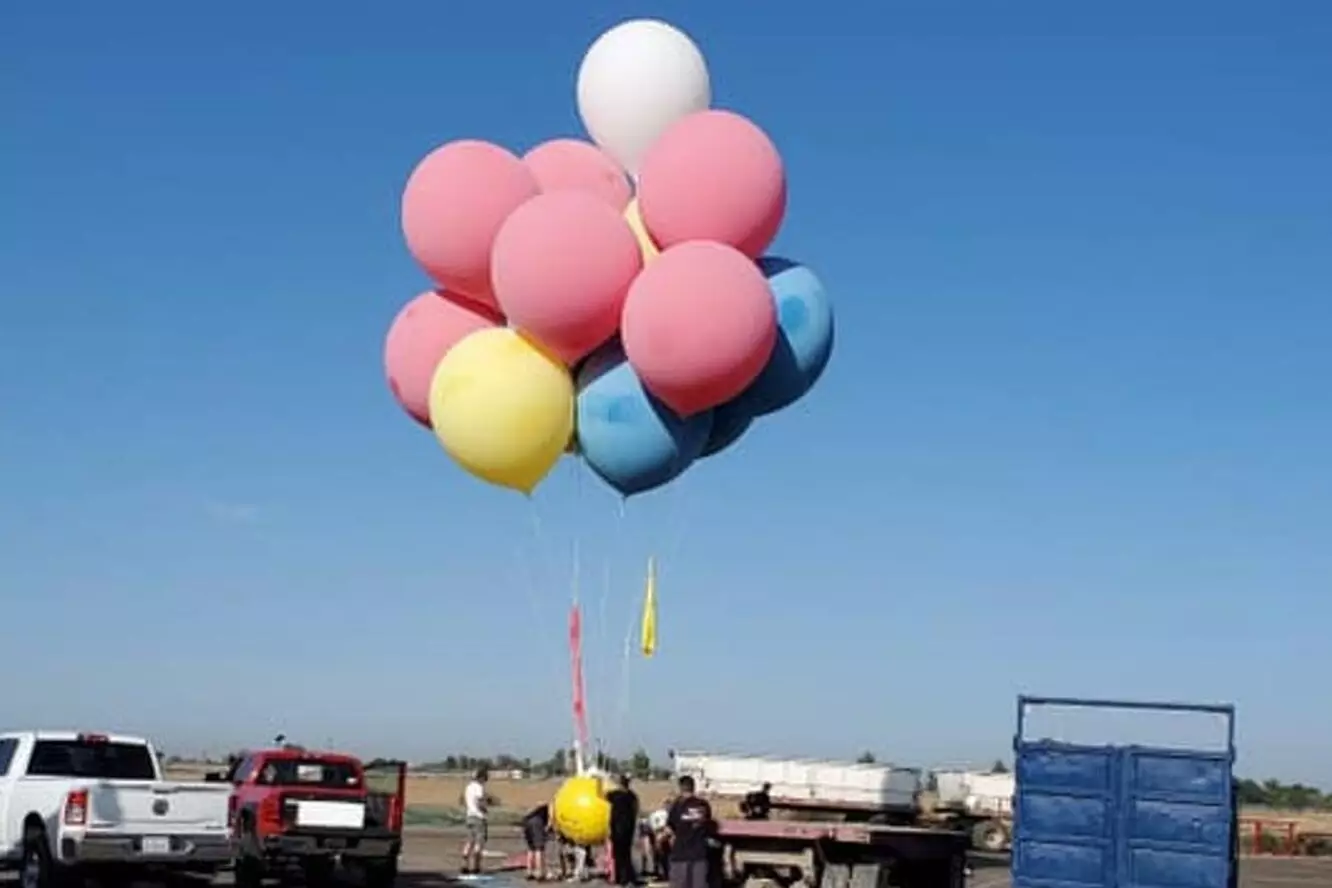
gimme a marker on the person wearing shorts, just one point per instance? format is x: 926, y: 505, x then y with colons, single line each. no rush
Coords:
x: 536, y: 829
x: 476, y: 804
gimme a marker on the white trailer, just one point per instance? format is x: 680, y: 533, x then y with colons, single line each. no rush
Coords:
x: 858, y: 792
x: 979, y: 802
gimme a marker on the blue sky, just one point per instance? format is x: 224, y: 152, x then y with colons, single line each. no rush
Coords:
x: 1076, y: 438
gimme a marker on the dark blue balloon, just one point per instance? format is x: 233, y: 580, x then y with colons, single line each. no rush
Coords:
x: 729, y: 422
x: 629, y: 438
x: 804, y: 337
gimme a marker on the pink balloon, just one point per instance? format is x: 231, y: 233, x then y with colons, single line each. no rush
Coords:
x: 562, y: 265
x: 573, y: 165
x: 699, y: 325
x: 713, y: 175
x: 424, y: 330
x: 454, y: 204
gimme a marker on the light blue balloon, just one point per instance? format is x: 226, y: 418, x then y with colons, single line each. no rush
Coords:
x: 729, y: 422
x: 629, y: 438
x: 804, y: 337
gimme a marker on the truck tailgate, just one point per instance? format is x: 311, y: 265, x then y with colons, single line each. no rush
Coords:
x: 159, y: 808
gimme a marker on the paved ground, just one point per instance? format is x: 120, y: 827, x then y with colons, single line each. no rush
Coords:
x: 431, y: 857
x: 428, y: 853
x: 1256, y: 872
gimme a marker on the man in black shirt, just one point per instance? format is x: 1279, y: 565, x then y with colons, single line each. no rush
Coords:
x: 623, y: 830
x: 692, y: 831
x: 757, y: 805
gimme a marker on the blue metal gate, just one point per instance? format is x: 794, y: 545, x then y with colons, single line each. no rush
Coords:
x: 1122, y: 816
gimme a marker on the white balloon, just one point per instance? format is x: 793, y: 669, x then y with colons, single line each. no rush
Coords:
x: 635, y: 81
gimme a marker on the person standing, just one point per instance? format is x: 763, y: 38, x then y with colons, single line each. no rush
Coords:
x: 623, y: 830
x: 476, y: 804
x: 692, y: 833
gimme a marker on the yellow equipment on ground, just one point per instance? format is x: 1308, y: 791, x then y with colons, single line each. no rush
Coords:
x: 582, y: 814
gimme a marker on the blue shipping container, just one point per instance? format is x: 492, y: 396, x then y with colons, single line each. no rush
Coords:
x: 1123, y: 816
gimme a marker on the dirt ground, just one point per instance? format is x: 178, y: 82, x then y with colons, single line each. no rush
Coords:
x: 443, y: 792
x: 431, y: 855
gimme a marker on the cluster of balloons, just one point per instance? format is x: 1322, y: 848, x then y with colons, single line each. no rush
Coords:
x: 611, y: 299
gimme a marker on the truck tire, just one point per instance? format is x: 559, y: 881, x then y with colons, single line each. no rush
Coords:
x: 989, y: 835
x: 318, y: 871
x: 36, y: 868
x: 249, y: 871
x: 381, y: 873
x: 249, y: 859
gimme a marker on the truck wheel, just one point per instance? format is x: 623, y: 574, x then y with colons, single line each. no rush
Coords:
x: 249, y: 871
x: 36, y: 868
x: 249, y: 868
x: 381, y: 873
x: 318, y: 871
x: 989, y: 835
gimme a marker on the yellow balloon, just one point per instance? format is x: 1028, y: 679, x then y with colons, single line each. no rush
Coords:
x: 582, y: 814
x: 502, y: 407
x: 646, y: 245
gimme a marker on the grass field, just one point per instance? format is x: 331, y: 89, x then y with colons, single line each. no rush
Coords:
x: 436, y: 798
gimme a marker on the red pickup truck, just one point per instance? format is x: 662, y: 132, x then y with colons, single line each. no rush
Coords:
x: 295, y: 808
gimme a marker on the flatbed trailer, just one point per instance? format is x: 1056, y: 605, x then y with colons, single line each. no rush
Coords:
x: 783, y: 853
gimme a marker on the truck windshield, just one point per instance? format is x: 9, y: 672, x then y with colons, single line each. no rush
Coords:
x: 309, y: 772
x: 95, y: 760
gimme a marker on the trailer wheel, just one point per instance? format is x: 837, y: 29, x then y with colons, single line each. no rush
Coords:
x: 989, y: 835
x: 836, y: 875
x: 870, y: 874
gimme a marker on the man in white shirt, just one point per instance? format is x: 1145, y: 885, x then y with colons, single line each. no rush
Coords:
x: 476, y: 804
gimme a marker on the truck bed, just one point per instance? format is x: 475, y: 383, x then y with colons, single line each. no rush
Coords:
x: 158, y: 807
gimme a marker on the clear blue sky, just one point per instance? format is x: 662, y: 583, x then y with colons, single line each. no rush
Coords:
x: 1076, y: 437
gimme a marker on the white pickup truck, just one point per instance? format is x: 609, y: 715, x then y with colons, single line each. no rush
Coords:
x: 75, y: 803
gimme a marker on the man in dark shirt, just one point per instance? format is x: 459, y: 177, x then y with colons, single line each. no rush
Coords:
x: 692, y: 831
x: 757, y: 805
x: 623, y: 830
x: 536, y: 829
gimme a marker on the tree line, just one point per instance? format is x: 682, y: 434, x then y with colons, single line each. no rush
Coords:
x: 559, y: 764
x: 1285, y: 796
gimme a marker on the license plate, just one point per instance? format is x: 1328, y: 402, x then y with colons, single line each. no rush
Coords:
x: 156, y: 845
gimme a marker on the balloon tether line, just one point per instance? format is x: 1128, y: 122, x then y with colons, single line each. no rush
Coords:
x: 604, y: 622
x: 538, y: 576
